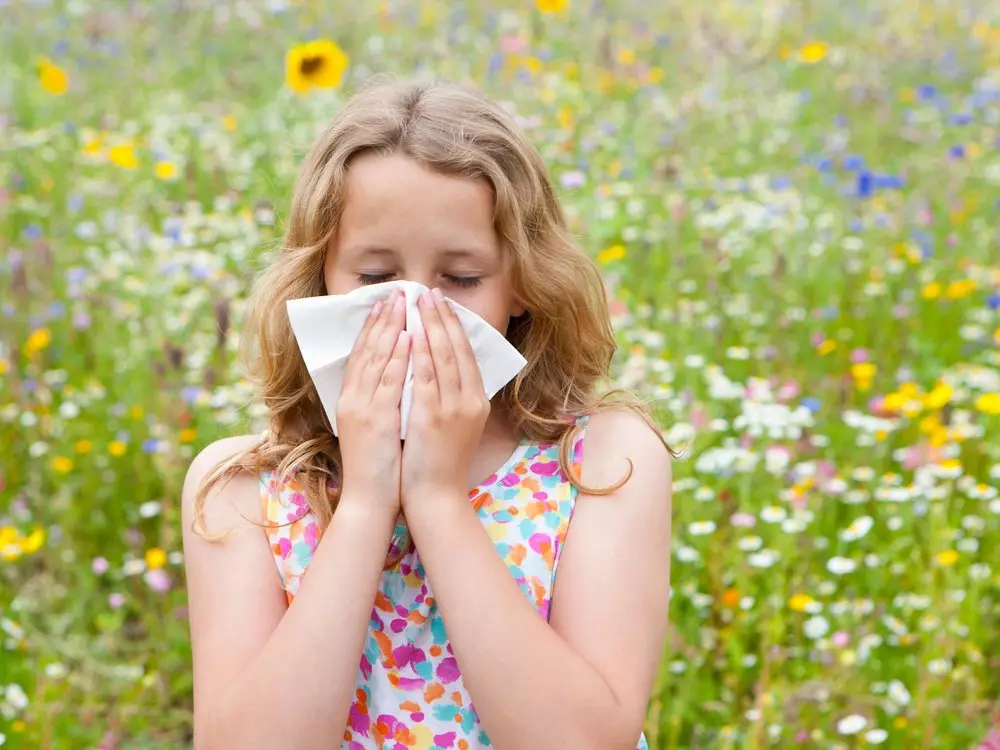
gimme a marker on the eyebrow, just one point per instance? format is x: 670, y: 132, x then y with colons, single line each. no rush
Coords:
x: 450, y: 252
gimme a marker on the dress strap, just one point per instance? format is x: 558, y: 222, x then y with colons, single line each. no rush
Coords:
x: 576, y: 453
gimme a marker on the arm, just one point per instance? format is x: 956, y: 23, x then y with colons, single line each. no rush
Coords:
x: 584, y: 680
x: 267, y: 675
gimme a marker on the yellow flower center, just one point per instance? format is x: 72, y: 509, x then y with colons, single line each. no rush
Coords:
x: 311, y: 66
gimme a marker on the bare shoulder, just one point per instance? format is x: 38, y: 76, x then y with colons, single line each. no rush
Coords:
x: 231, y: 502
x: 613, y: 439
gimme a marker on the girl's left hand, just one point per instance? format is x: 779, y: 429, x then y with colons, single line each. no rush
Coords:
x: 449, y: 410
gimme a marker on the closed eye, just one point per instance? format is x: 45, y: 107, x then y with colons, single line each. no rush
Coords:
x: 463, y: 282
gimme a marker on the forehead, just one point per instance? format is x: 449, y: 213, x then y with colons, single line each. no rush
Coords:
x: 394, y: 203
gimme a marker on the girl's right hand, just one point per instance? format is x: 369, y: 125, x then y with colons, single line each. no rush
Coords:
x: 368, y: 419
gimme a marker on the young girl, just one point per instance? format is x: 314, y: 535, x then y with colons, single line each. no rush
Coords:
x: 457, y: 534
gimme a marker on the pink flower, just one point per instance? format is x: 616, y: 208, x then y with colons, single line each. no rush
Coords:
x: 743, y: 519
x: 99, y: 565
x: 992, y: 741
x: 157, y: 579
x: 116, y: 600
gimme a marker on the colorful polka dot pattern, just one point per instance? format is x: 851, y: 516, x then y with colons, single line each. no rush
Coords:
x: 409, y: 691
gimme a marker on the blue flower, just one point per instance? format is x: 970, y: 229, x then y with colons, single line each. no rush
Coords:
x: 993, y: 301
x: 811, y: 403
x: 961, y: 119
x: 926, y: 91
x: 956, y: 152
x: 866, y: 184
x: 853, y: 162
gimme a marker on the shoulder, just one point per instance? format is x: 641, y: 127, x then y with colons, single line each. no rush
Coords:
x: 618, y: 438
x: 240, y: 493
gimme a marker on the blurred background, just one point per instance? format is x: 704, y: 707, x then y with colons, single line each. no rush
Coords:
x: 795, y: 205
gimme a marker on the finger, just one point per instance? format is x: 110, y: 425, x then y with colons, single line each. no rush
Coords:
x: 425, y: 383
x: 468, y: 369
x: 382, y: 348
x: 390, y: 389
x: 355, y: 360
x: 445, y: 366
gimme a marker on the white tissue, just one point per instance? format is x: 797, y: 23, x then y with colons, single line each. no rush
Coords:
x: 327, y: 327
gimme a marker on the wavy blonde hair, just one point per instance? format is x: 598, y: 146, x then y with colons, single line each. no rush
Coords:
x: 565, y: 334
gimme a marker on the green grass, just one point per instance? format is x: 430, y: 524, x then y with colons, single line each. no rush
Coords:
x: 754, y: 282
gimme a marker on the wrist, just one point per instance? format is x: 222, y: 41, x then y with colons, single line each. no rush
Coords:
x: 434, y: 499
x: 366, y: 508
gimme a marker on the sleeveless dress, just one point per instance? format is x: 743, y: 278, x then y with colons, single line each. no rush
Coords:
x: 409, y: 691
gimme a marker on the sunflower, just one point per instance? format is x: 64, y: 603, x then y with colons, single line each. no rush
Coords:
x: 319, y: 64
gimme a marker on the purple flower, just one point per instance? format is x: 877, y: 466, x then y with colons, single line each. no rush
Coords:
x: 157, y: 579
x: 573, y: 179
x: 116, y: 600
x: 99, y: 565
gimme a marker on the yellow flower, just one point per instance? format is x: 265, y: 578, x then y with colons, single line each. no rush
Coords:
x: 188, y: 435
x: 826, y: 347
x: 989, y: 403
x: 900, y: 722
x: 93, y: 147
x: 123, y: 155
x: 551, y: 6
x: 156, y: 558
x: 317, y: 64
x: 566, y: 117
x: 813, y: 52
x: 52, y: 77
x: 62, y: 465
x: 33, y: 542
x: 800, y: 602
x: 961, y: 289
x: 165, y: 170
x: 947, y: 558
x: 229, y: 122
x: 940, y: 396
x: 18, y: 725
x: 931, y: 291
x: 863, y: 371
x: 117, y: 448
x: 996, y: 336
x: 83, y: 446
x: 626, y: 56
x: 609, y: 254
x: 4, y: 366
x: 37, y: 341
x: 655, y: 75
x: 894, y: 401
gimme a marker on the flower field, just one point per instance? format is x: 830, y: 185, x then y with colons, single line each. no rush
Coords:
x: 796, y: 206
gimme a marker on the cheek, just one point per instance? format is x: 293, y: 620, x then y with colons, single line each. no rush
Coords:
x: 486, y: 306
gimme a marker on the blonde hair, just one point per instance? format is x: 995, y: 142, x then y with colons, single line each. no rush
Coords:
x: 565, y: 333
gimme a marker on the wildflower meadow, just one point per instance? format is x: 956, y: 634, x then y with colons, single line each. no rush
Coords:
x: 796, y: 206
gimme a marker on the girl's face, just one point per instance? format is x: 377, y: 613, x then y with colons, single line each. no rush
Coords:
x: 404, y: 222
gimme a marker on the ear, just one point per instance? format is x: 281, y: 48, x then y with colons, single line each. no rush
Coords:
x: 516, y: 309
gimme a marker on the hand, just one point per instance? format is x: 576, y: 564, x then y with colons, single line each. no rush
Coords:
x: 449, y: 410
x: 368, y: 408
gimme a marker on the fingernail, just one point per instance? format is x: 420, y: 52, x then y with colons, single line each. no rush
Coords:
x: 437, y: 294
x: 376, y: 308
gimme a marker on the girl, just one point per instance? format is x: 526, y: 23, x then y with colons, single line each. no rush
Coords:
x: 456, y: 534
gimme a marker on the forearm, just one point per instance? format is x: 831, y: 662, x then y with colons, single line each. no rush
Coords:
x: 530, y: 688
x: 297, y: 692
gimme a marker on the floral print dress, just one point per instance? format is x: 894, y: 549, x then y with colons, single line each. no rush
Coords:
x: 409, y: 691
